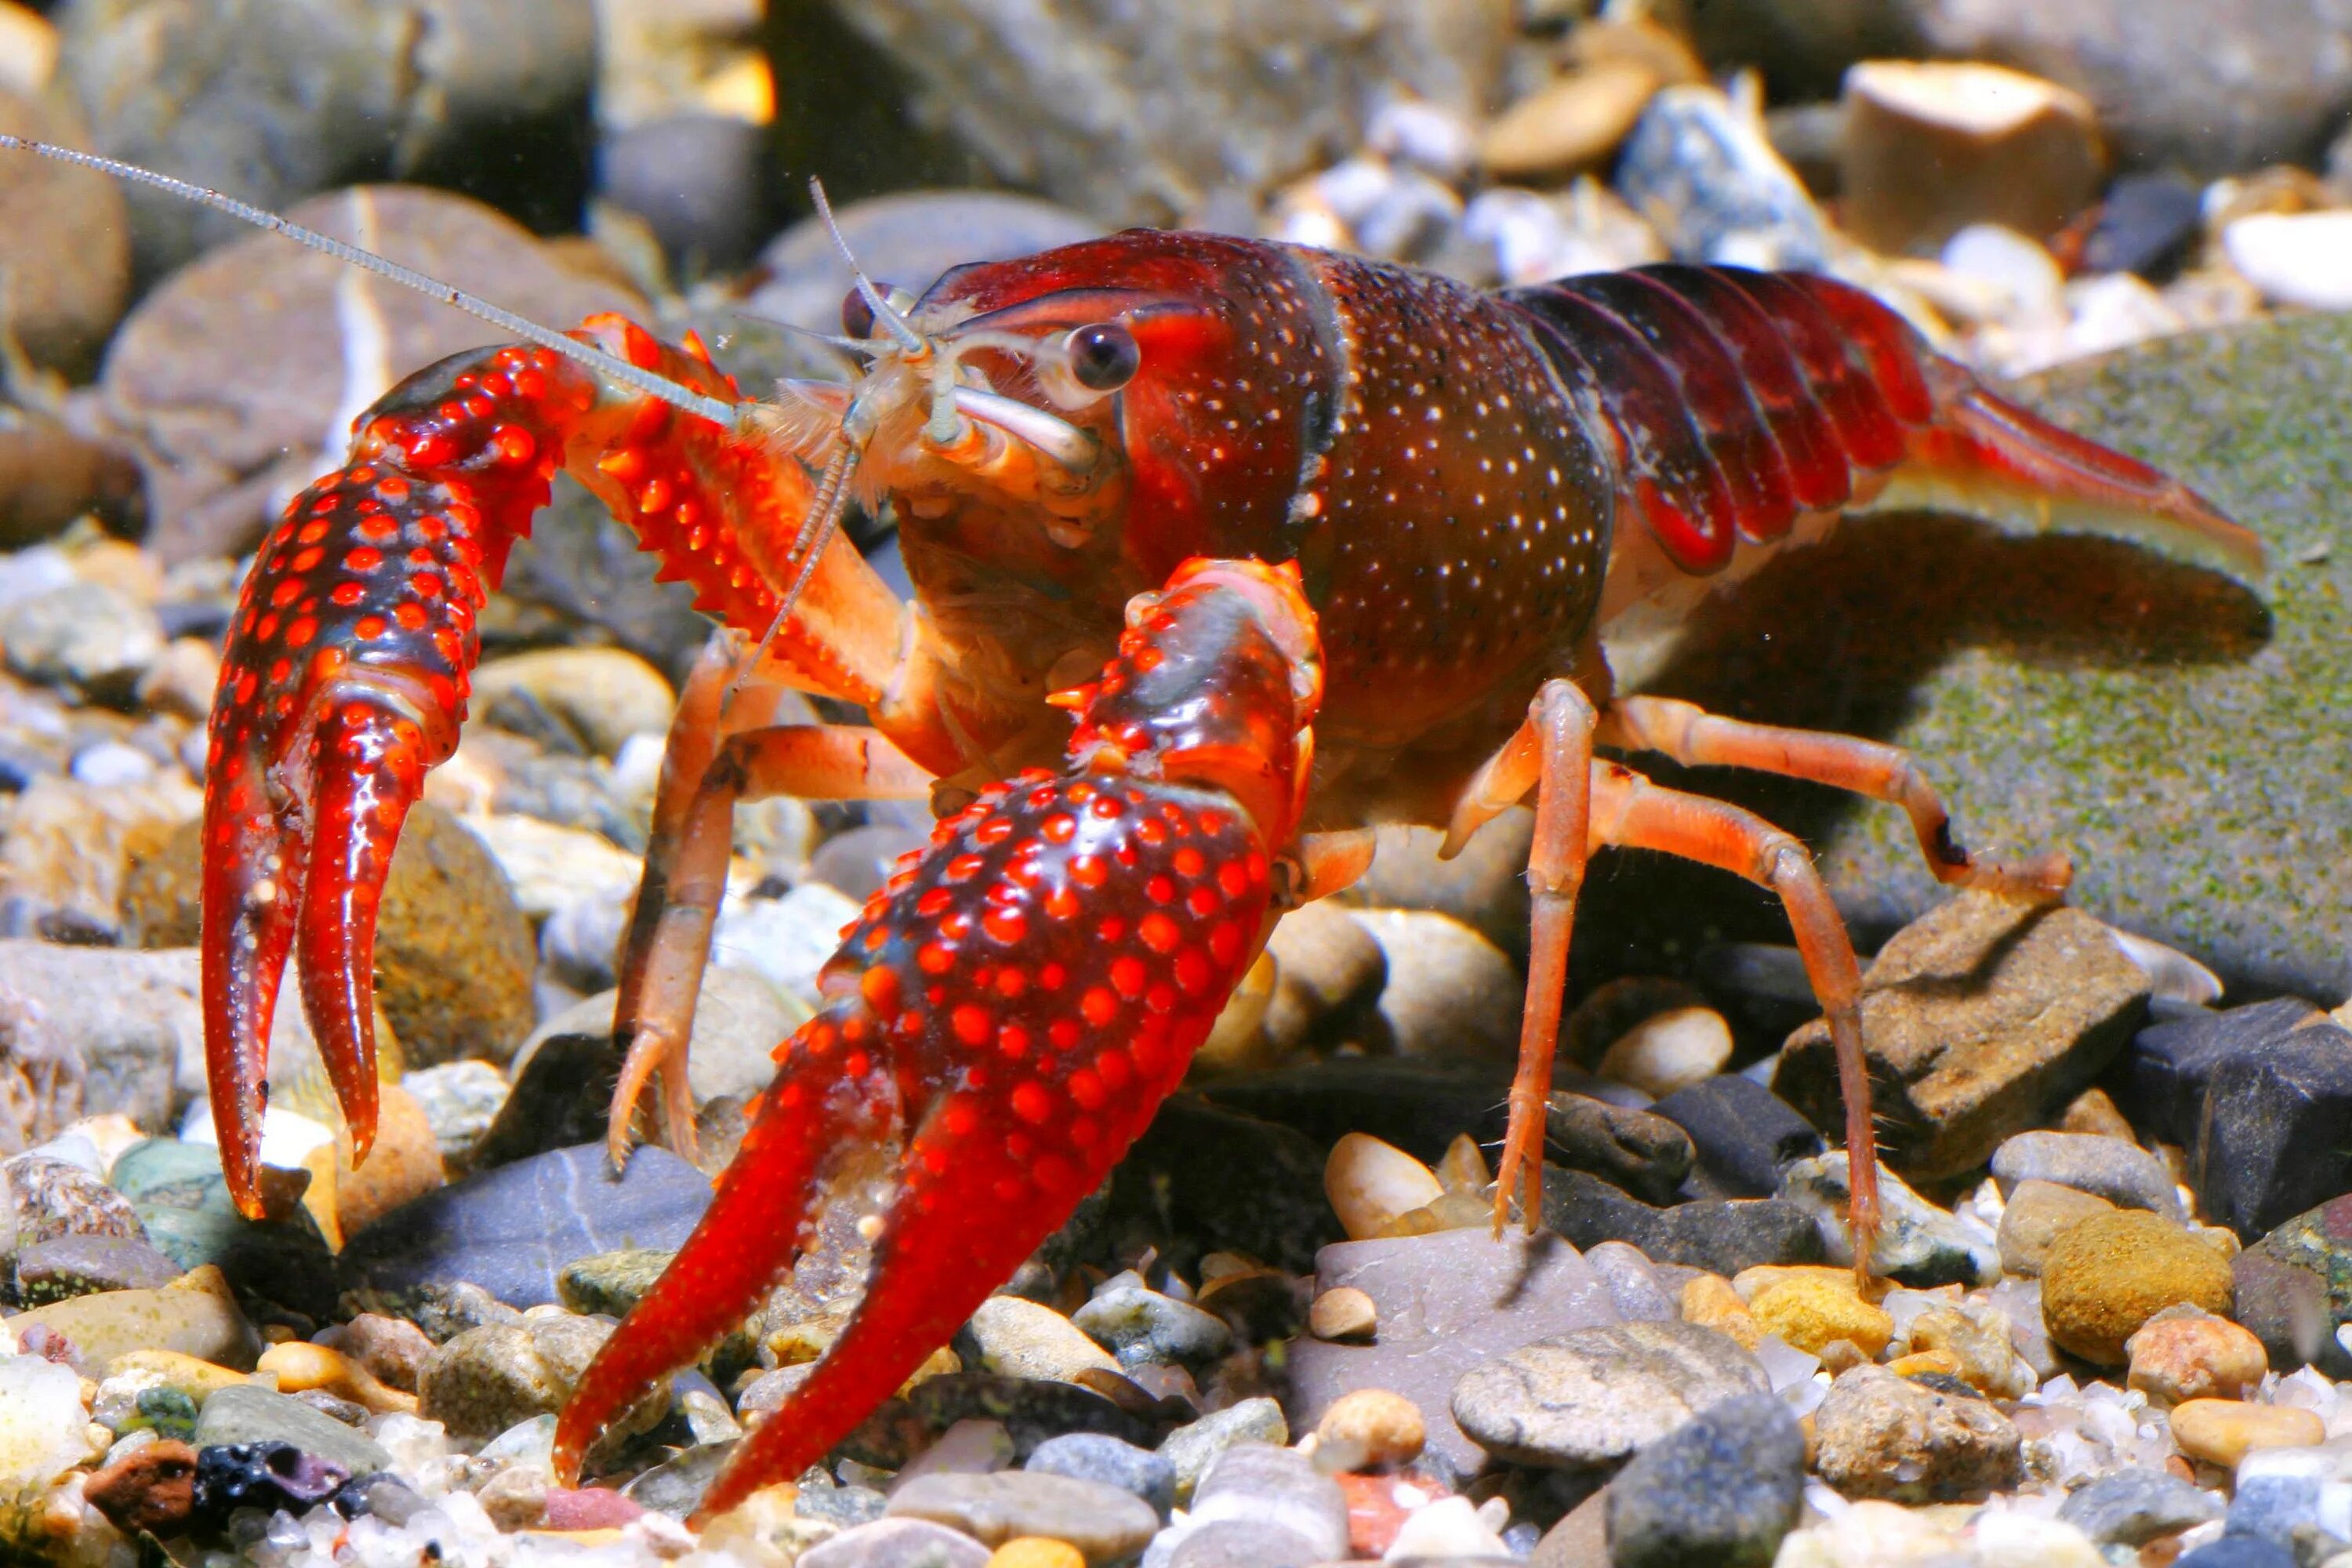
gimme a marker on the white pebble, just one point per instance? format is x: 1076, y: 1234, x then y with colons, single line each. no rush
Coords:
x: 1369, y: 1183
x: 2012, y: 262
x: 2295, y: 259
x: 1671, y: 1051
x: 112, y: 762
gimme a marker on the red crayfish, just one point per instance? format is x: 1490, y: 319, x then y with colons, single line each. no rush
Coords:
x: 1341, y: 539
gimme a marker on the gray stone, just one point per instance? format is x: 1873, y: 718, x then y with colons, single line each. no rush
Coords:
x: 247, y: 1413
x: 2294, y: 1287
x: 1141, y: 118
x: 677, y: 1485
x: 1273, y: 1489
x: 1102, y: 1521
x: 1590, y: 1397
x: 1447, y: 1302
x: 1191, y: 1448
x: 461, y: 1100
x: 511, y: 1229
x: 1722, y: 1235
x: 1722, y: 1489
x: 1094, y: 1457
x: 1234, y: 1543
x: 2268, y: 1146
x: 896, y: 1544
x: 69, y: 273
x: 2173, y: 1061
x: 2123, y: 1173
x: 1708, y: 180
x: 1880, y: 1436
x: 490, y: 1379
x: 85, y: 636
x: 1981, y: 1018
x: 2131, y: 1506
x: 1145, y: 1327
x: 1634, y: 1287
x: 81, y: 1265
x: 1742, y: 1133
x: 1647, y: 1155
x: 1917, y: 1243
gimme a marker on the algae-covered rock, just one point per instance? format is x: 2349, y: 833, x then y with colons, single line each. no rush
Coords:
x: 2184, y: 737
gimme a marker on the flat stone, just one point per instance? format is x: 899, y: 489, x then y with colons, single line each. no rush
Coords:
x: 196, y: 1315
x: 1634, y: 1286
x: 1094, y: 1457
x: 1145, y: 1327
x: 1273, y: 1489
x: 1595, y: 1396
x: 2131, y: 1506
x: 1647, y: 1155
x: 2080, y: 694
x: 2269, y: 1144
x: 1981, y: 1019
x: 1743, y: 1134
x: 251, y: 1414
x: 1447, y: 1302
x: 511, y: 1230
x: 1880, y: 1436
x: 1721, y: 1236
x: 80, y: 1265
x: 1722, y: 1489
x: 896, y: 1544
x: 2172, y: 1062
x: 1102, y: 1521
x: 2123, y: 1173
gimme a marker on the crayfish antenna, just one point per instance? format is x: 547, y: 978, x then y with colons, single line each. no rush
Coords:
x: 609, y: 366
x: 879, y: 302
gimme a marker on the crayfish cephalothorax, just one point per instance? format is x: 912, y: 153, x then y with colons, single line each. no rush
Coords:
x: 1459, y: 494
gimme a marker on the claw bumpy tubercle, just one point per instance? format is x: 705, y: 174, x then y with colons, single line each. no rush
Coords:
x: 1014, y: 1005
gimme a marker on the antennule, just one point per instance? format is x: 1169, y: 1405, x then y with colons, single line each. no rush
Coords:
x: 604, y: 364
x: 884, y: 312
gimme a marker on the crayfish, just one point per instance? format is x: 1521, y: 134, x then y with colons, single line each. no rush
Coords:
x: 1224, y: 552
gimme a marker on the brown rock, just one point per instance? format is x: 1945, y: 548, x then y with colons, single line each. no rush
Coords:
x: 153, y: 1488
x: 404, y: 1163
x: 454, y: 955
x: 1931, y: 147
x: 2223, y: 1431
x: 1345, y: 1314
x: 69, y: 846
x: 1569, y: 123
x: 1370, y: 1429
x: 2093, y: 1111
x: 65, y: 239
x: 1881, y: 1436
x: 1709, y: 1301
x: 2036, y: 1213
x: 2106, y: 1276
x: 2184, y: 1354
x: 392, y: 1349
x: 1980, y: 1019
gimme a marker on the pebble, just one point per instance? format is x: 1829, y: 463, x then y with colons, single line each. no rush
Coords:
x: 1451, y: 993
x: 2034, y: 1217
x: 896, y: 1544
x: 1103, y: 1521
x: 251, y: 1414
x: 299, y: 1367
x: 512, y: 1229
x: 1742, y: 1134
x: 84, y: 1265
x: 1722, y: 1235
x: 2110, y: 1168
x: 1144, y: 1328
x: 1370, y: 1429
x: 2295, y: 258
x: 1450, y: 1529
x: 1344, y: 1314
x: 197, y: 1315
x: 50, y: 1198
x: 1270, y: 1490
x: 1191, y: 1448
x: 1647, y: 1155
x: 1709, y: 1301
x: 1635, y: 1287
x: 610, y: 1284
x: 1880, y: 1436
x: 1983, y: 1018
x: 490, y: 1379
x: 588, y: 700
x: 1722, y: 1489
x: 2224, y: 1431
x: 1918, y: 1244
x: 1595, y: 1396
x: 2172, y: 1062
x: 83, y: 636
x: 784, y: 940
x: 1809, y: 1310
x: 43, y: 1430
x: 393, y: 1350
x: 2267, y: 1147
x: 2106, y: 1276
x: 1036, y: 1551
x: 1932, y: 146
x: 2183, y: 1353
x: 461, y: 1100
x: 1327, y: 970
x: 1672, y: 1051
x: 1023, y: 1339
x: 151, y: 1487
x: 1707, y: 176
x: 2295, y: 1283
x: 2131, y: 1506
x: 1569, y: 122
x: 1096, y: 1457
x: 1980, y: 1341
x: 1372, y: 1184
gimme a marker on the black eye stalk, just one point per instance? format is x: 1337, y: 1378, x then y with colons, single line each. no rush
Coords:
x: 1104, y: 357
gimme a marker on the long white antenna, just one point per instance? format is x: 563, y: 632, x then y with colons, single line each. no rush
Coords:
x: 606, y: 365
x: 884, y: 312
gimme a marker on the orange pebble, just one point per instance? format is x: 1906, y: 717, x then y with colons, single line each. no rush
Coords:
x: 1036, y: 1551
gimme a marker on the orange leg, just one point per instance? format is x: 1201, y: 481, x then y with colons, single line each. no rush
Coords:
x: 345, y: 674
x: 1630, y: 811
x: 1694, y: 737
x: 709, y: 769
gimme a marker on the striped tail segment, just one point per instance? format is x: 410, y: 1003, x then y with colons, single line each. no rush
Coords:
x: 1737, y: 401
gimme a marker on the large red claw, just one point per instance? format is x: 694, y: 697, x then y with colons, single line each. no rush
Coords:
x: 1015, y: 1004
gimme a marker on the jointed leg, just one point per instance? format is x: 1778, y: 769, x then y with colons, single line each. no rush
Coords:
x: 1694, y: 737
x: 1630, y: 811
x: 1552, y: 755
x: 712, y: 763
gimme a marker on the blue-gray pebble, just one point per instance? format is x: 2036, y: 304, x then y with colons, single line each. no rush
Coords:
x: 1094, y: 1457
x: 1720, y: 1490
x: 2238, y: 1551
x: 2132, y: 1507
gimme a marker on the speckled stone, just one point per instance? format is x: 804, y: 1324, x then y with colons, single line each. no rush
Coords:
x: 1880, y: 1436
x: 1595, y: 1396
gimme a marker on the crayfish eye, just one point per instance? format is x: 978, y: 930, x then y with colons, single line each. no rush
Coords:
x: 1104, y: 357
x: 856, y: 314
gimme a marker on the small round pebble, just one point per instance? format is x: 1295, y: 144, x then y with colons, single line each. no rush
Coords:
x: 1370, y: 1185
x: 1036, y: 1551
x: 1104, y: 1523
x: 1098, y: 1457
x: 1020, y: 1338
x: 302, y: 1366
x: 1709, y: 1301
x: 2223, y: 1431
x: 1345, y: 1314
x: 1810, y: 1311
x: 2106, y: 1276
x: 1370, y: 1429
x: 2183, y: 1353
